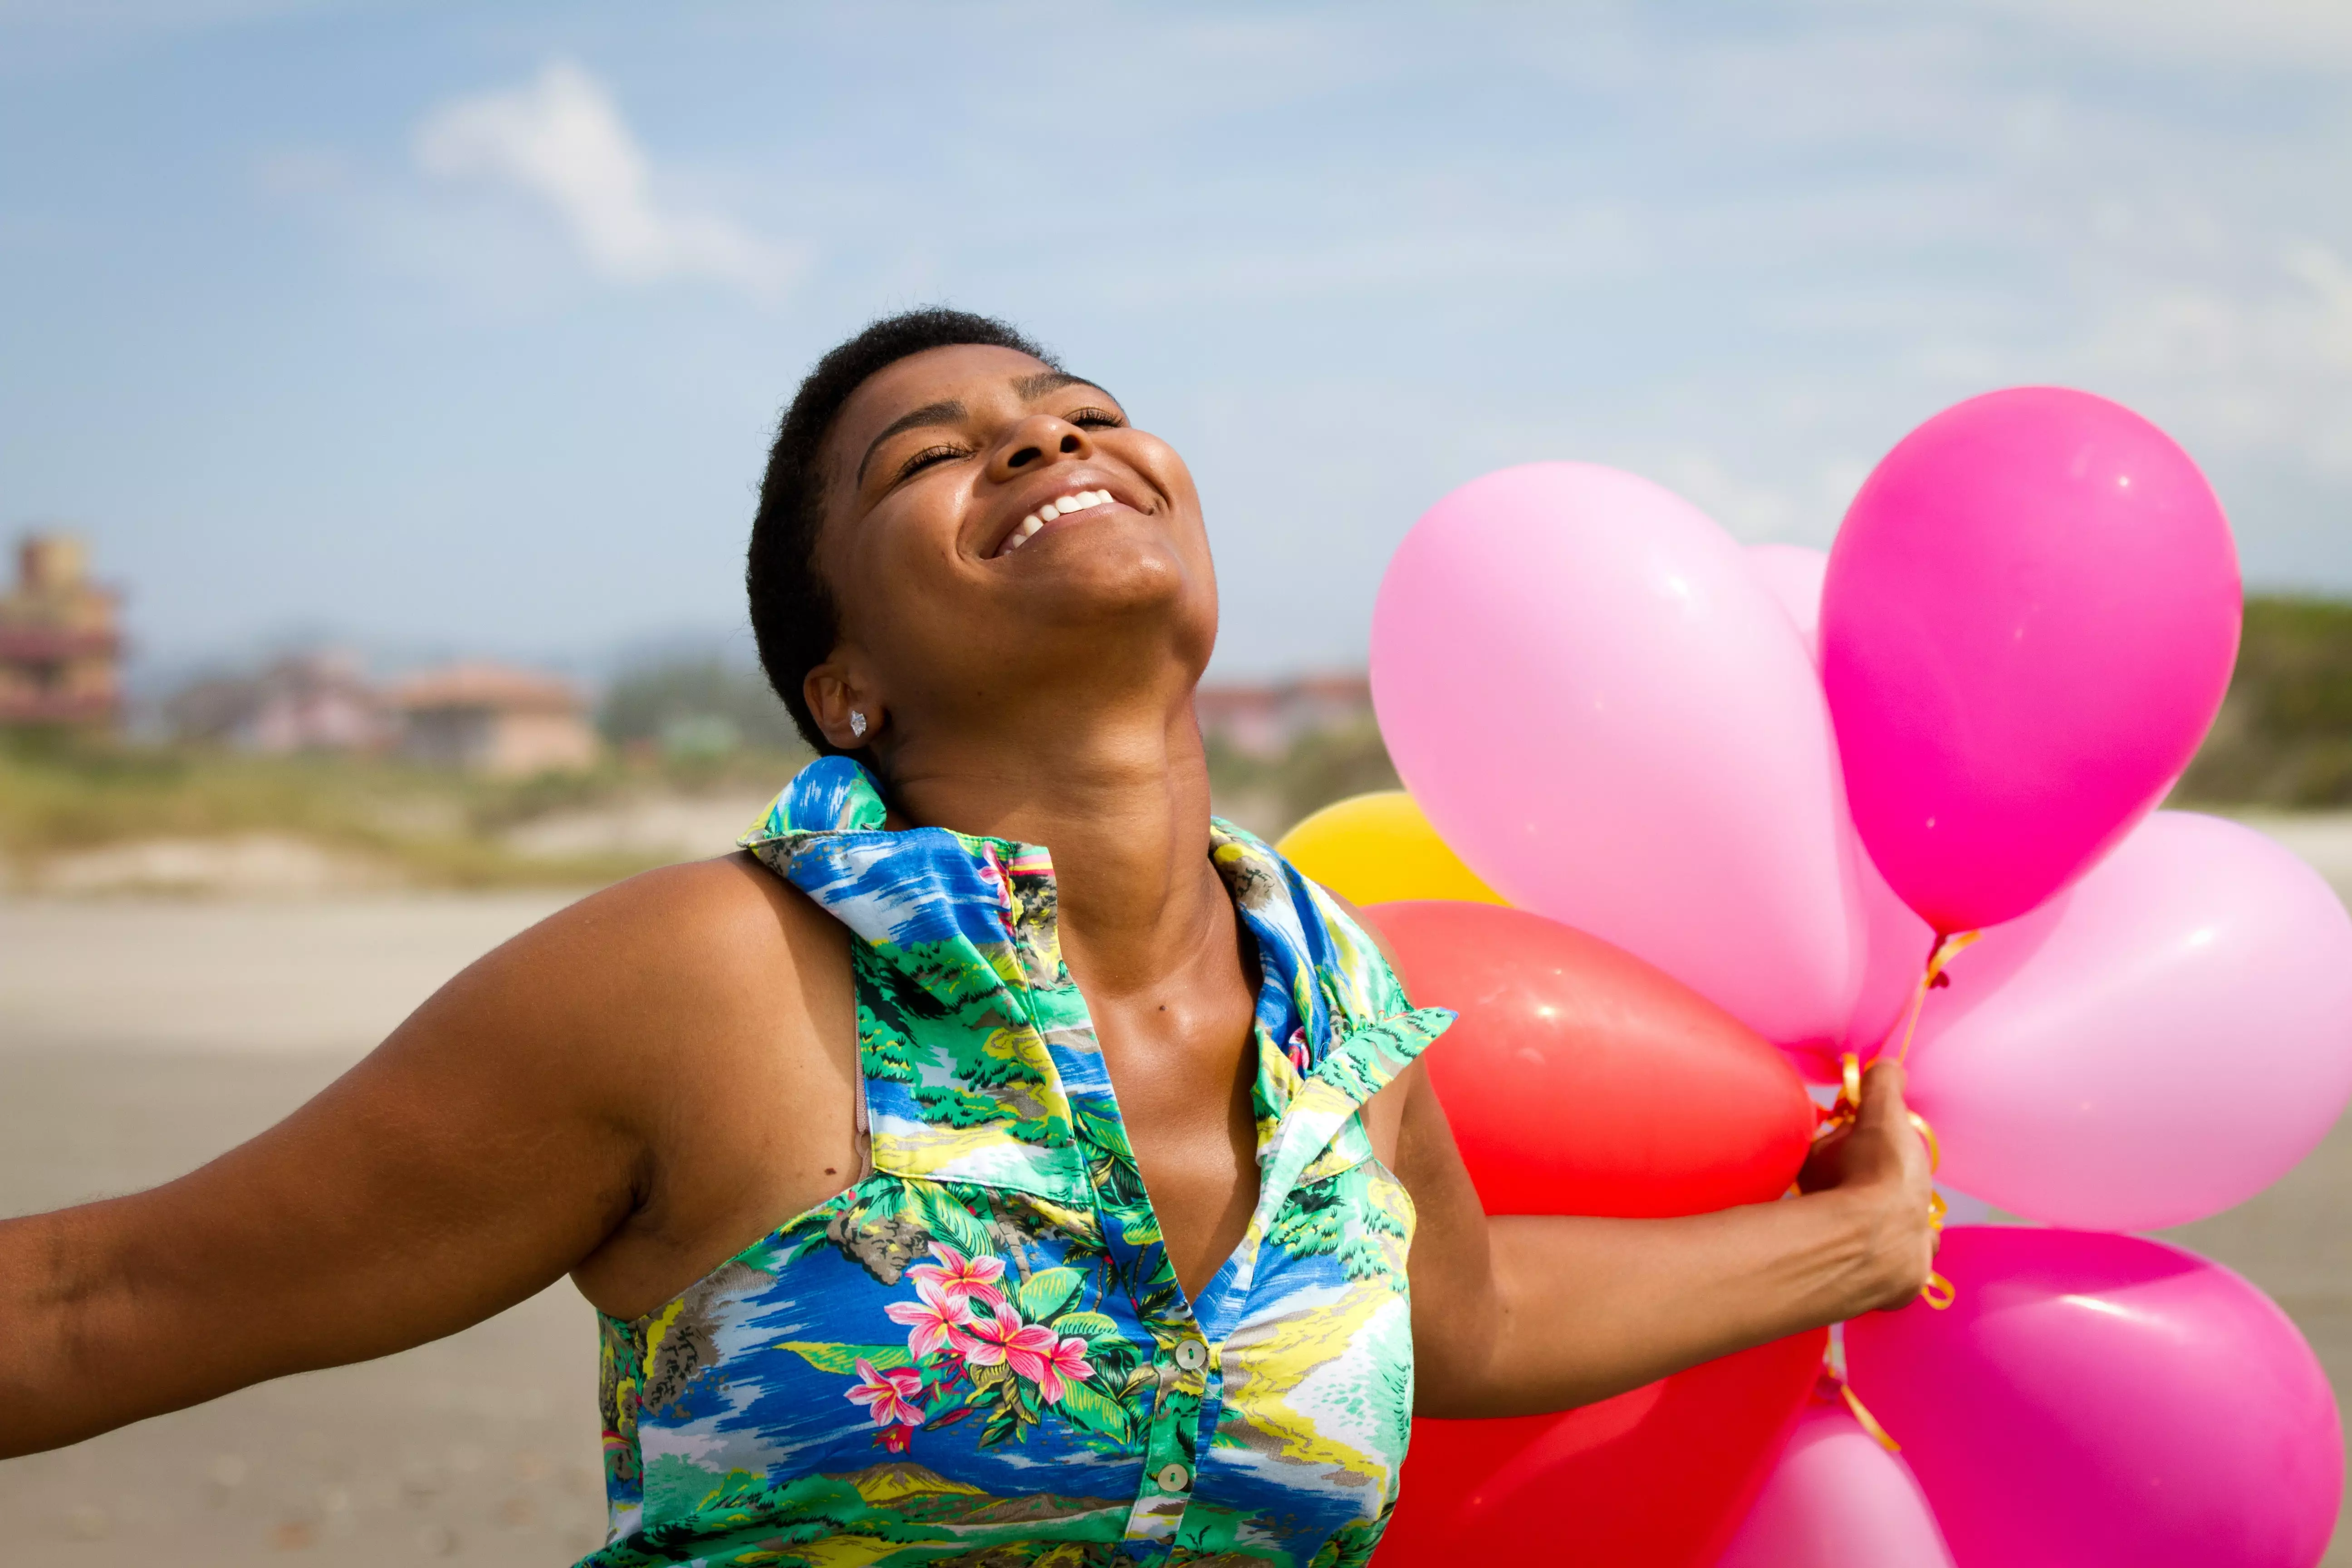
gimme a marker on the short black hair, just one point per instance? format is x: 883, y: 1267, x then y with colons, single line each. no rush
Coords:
x: 793, y: 617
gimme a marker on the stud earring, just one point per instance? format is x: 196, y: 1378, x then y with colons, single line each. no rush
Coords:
x: 858, y: 724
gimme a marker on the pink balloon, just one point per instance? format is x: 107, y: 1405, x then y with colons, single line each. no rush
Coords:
x: 2030, y: 618
x: 2166, y: 1039
x: 1838, y: 1499
x: 1603, y: 714
x: 2094, y: 1400
x: 1792, y: 574
x: 1895, y: 942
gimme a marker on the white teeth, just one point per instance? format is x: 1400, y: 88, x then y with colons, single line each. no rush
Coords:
x: 1020, y: 535
x: 1078, y: 501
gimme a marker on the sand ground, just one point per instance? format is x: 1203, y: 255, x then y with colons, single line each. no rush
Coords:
x: 139, y: 1038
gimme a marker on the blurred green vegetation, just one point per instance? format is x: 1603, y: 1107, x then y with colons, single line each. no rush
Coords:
x: 2284, y: 739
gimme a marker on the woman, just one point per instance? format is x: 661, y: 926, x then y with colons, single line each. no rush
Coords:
x: 1119, y: 1223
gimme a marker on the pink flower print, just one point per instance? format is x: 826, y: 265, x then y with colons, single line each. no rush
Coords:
x: 1067, y: 1359
x: 934, y: 1322
x: 991, y: 877
x: 1005, y: 1340
x: 1031, y: 1350
x: 888, y: 1397
x: 1301, y: 1053
x: 960, y: 1278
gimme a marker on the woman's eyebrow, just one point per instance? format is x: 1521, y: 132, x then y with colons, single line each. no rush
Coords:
x: 1040, y: 383
x: 946, y: 413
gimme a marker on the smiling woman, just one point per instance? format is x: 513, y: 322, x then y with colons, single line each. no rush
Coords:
x: 999, y: 1158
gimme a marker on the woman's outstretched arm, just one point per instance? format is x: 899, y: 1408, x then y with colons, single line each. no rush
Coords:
x: 507, y: 1132
x: 1525, y: 1313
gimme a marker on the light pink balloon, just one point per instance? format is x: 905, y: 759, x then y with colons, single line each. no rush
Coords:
x: 2162, y: 1041
x: 1605, y: 715
x: 1792, y: 574
x: 2094, y: 1400
x: 1838, y: 1499
x: 2030, y: 618
x: 1895, y: 942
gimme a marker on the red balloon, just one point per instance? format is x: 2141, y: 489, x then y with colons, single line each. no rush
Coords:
x: 1581, y: 1081
x: 1660, y: 1477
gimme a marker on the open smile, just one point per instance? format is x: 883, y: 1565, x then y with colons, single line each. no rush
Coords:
x: 1061, y: 507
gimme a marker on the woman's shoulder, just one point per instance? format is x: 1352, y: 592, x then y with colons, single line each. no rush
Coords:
x: 666, y: 960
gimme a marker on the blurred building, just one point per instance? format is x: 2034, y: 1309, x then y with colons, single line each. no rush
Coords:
x: 489, y: 719
x: 1267, y: 720
x: 60, y: 650
x: 316, y: 701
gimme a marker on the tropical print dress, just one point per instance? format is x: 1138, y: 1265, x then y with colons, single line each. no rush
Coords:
x: 980, y: 1354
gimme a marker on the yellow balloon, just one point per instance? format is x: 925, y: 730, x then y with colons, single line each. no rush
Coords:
x: 1376, y: 849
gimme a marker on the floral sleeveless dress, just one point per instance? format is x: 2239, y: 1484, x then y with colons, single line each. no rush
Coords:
x: 980, y: 1354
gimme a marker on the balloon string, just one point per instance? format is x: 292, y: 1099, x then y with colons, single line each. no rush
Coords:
x: 1834, y: 1378
x: 1947, y: 948
x: 1869, y: 1422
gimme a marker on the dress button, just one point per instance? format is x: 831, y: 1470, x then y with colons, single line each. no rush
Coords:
x: 1174, y: 1477
x: 1192, y: 1355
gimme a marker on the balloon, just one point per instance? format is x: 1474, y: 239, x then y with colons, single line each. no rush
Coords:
x: 1895, y: 945
x: 1792, y: 574
x: 1895, y: 942
x: 1602, y: 711
x: 2096, y: 1401
x: 2165, y: 1040
x: 1838, y: 1499
x: 1655, y: 1479
x: 1580, y: 1080
x: 1375, y: 848
x: 2029, y: 621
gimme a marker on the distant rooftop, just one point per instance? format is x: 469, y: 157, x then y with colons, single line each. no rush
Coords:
x: 493, y: 686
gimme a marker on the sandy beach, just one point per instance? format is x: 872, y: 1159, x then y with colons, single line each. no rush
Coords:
x: 140, y: 1037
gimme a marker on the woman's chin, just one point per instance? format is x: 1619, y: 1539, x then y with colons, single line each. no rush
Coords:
x: 1115, y: 584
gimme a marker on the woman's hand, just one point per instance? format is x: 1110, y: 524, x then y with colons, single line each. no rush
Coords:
x: 1877, y: 1165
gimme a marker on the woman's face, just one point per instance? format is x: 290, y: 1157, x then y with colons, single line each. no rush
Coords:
x: 995, y: 530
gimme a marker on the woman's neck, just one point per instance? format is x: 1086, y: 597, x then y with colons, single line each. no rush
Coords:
x: 1121, y: 799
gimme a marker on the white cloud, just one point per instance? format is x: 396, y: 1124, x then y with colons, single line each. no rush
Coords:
x: 560, y: 141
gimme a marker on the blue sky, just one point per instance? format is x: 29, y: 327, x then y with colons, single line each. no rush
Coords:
x: 440, y: 327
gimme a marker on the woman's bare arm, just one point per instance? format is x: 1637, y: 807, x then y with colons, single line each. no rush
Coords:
x: 1524, y: 1313
x: 504, y: 1135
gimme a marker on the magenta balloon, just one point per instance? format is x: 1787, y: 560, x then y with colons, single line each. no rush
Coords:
x: 1605, y: 714
x: 2029, y: 621
x: 1792, y: 574
x: 2164, y: 1040
x: 2096, y: 1401
x: 1837, y: 1499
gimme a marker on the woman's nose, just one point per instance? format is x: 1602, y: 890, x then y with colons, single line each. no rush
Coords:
x: 1035, y: 441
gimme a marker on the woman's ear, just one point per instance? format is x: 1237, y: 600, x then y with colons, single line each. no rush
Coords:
x: 847, y: 711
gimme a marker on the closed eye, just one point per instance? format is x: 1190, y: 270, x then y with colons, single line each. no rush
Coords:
x: 1094, y: 418
x: 925, y: 458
